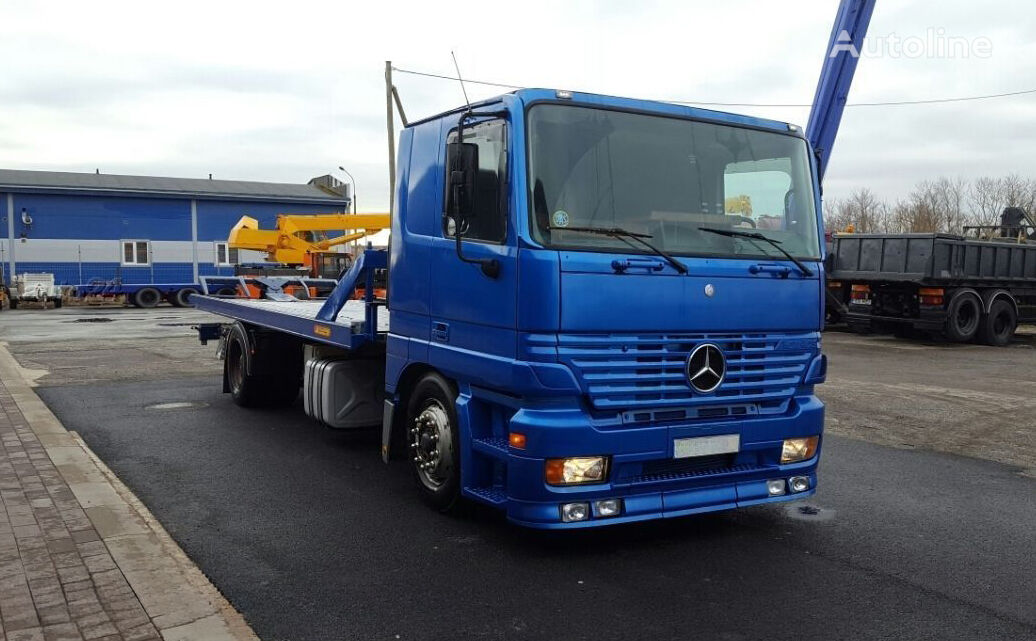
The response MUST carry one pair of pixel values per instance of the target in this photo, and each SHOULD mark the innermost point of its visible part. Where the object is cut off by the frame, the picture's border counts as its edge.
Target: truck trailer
(575, 330)
(964, 288)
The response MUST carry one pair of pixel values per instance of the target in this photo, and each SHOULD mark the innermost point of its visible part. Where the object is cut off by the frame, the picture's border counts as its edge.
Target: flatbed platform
(299, 317)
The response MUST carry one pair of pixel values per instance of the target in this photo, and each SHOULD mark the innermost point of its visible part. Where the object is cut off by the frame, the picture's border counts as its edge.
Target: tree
(986, 198)
(862, 210)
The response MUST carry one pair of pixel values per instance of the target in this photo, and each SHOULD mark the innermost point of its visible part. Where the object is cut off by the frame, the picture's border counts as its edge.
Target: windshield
(667, 177)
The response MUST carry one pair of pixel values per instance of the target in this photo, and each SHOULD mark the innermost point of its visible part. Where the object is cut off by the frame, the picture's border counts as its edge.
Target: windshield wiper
(618, 232)
(754, 235)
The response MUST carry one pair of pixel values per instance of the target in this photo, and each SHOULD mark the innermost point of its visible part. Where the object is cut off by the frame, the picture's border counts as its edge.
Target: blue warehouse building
(140, 229)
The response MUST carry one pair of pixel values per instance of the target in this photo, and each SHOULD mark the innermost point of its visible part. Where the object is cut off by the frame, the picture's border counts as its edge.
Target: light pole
(353, 180)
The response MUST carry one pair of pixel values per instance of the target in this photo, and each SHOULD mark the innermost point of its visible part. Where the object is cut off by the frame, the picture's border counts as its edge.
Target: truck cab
(604, 309)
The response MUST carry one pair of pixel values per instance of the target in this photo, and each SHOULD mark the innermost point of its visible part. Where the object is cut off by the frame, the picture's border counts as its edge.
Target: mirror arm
(490, 266)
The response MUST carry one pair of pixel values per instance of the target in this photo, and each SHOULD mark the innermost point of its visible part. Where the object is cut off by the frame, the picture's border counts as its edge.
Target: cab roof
(529, 96)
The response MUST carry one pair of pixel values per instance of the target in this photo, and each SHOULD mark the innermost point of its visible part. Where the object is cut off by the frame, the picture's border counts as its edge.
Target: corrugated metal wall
(79, 238)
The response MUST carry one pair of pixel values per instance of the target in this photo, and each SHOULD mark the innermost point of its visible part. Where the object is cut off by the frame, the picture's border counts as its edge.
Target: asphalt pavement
(311, 537)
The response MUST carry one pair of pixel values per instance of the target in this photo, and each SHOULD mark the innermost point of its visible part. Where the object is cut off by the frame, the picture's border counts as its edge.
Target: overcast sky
(287, 91)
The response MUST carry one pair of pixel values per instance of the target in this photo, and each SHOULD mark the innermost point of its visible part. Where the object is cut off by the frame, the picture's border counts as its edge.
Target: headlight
(799, 449)
(576, 470)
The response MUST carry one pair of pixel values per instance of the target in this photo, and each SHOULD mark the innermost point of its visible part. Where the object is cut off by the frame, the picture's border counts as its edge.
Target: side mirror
(462, 165)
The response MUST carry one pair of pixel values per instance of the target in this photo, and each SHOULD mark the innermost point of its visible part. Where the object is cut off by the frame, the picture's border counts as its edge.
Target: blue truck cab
(627, 326)
(599, 311)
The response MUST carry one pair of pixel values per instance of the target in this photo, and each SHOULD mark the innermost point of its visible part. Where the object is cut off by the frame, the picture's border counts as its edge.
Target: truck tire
(256, 390)
(147, 297)
(226, 291)
(181, 298)
(999, 324)
(14, 303)
(963, 318)
(244, 389)
(57, 303)
(434, 440)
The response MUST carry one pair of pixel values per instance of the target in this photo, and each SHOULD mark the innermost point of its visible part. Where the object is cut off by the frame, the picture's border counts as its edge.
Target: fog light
(799, 449)
(576, 470)
(798, 483)
(575, 512)
(608, 507)
(775, 487)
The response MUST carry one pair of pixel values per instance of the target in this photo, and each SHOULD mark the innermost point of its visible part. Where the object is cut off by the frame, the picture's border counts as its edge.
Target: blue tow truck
(578, 330)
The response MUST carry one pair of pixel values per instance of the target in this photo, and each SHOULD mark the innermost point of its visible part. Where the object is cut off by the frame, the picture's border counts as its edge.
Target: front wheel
(434, 442)
(999, 324)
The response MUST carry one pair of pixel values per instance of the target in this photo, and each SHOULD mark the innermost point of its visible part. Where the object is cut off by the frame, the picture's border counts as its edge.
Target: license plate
(706, 445)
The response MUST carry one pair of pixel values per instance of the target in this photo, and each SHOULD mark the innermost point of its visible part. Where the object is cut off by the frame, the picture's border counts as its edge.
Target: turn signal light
(516, 440)
(799, 449)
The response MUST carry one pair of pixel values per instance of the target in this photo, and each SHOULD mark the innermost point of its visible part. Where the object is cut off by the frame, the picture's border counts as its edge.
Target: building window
(136, 252)
(226, 255)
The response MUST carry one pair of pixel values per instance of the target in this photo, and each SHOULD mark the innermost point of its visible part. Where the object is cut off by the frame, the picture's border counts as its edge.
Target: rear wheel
(14, 303)
(432, 433)
(999, 324)
(242, 386)
(182, 297)
(57, 303)
(259, 390)
(963, 318)
(147, 297)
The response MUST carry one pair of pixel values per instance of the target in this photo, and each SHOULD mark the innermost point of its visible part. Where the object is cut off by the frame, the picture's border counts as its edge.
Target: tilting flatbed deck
(337, 320)
(297, 317)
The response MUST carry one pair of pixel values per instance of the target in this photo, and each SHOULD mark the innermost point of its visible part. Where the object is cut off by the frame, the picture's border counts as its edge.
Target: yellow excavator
(301, 239)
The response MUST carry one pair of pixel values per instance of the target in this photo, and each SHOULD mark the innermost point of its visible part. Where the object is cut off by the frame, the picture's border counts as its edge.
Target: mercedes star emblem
(710, 290)
(706, 368)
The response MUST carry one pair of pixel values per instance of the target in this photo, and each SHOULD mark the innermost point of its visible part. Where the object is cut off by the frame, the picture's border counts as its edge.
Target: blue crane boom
(836, 76)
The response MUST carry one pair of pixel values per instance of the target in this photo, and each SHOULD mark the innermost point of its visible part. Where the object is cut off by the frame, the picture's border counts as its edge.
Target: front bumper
(644, 473)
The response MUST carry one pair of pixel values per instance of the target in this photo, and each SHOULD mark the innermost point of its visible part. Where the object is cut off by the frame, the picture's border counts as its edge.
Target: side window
(226, 255)
(758, 193)
(489, 219)
(136, 252)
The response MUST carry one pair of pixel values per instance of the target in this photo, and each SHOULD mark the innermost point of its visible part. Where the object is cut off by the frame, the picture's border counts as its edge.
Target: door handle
(648, 263)
(770, 268)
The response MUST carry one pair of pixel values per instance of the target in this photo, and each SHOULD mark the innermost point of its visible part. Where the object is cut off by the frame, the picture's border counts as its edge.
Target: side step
(491, 495)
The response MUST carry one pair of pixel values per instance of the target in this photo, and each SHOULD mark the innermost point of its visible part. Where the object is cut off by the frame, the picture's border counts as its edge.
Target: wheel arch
(392, 439)
(965, 291)
(991, 296)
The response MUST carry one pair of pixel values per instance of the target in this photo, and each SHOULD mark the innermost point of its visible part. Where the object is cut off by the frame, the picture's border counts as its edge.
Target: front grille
(635, 371)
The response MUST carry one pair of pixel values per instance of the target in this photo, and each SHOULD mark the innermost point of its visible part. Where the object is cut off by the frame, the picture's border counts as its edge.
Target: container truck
(964, 288)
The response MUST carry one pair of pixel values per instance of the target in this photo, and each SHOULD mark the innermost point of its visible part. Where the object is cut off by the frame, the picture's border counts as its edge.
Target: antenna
(465, 91)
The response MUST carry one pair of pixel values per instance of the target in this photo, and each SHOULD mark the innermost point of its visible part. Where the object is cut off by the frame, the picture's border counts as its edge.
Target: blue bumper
(643, 471)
